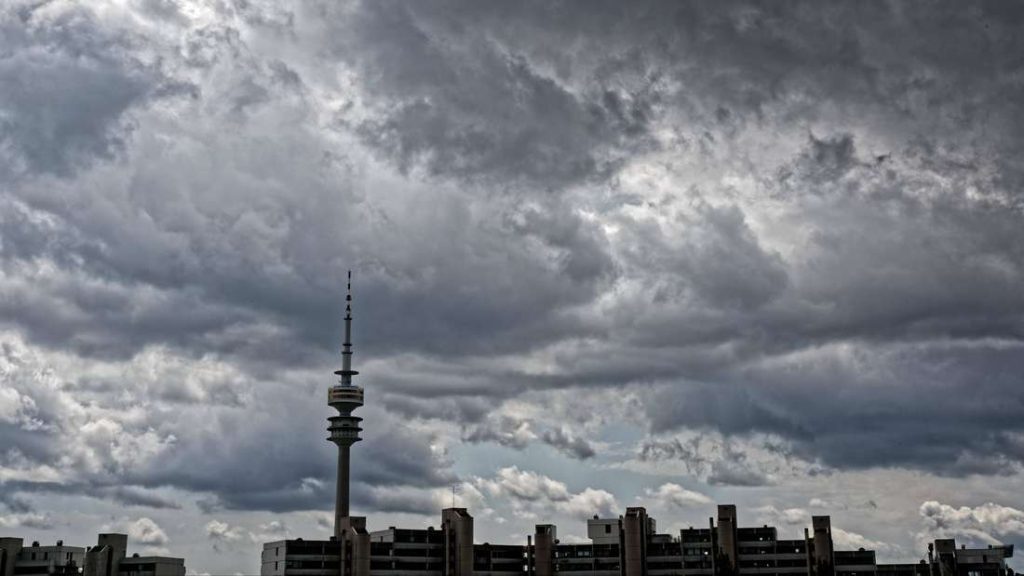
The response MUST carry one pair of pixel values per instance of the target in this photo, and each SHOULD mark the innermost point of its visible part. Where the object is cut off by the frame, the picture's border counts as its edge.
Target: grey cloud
(478, 108)
(122, 495)
(401, 457)
(565, 441)
(219, 450)
(731, 409)
(391, 499)
(506, 431)
(66, 82)
(19, 512)
(452, 408)
(288, 478)
(957, 432)
(518, 433)
(731, 468)
(532, 196)
(131, 496)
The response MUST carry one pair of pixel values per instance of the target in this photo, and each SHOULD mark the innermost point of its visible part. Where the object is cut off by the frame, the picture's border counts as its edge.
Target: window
(607, 528)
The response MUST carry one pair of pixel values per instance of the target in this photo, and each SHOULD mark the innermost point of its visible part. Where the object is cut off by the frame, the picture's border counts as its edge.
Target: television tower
(344, 428)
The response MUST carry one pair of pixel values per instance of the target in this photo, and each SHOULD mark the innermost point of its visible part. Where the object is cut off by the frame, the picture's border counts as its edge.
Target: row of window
(596, 566)
(419, 536)
(46, 556)
(501, 553)
(406, 552)
(400, 565)
(499, 566)
(69, 568)
(310, 564)
(771, 550)
(785, 563)
(310, 548)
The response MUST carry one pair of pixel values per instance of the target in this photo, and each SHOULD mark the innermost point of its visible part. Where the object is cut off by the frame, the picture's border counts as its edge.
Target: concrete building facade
(16, 559)
(625, 546)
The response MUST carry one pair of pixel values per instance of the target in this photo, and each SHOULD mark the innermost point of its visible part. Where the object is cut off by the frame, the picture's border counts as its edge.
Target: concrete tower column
(9, 548)
(546, 539)
(726, 561)
(458, 542)
(824, 561)
(341, 490)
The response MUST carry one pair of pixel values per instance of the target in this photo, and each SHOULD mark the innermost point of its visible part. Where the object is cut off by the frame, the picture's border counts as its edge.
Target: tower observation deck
(344, 428)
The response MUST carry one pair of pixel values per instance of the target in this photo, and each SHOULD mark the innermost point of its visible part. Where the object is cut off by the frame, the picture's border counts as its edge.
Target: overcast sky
(605, 254)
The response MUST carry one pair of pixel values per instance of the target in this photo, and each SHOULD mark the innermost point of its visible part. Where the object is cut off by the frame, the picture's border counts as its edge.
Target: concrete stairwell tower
(344, 428)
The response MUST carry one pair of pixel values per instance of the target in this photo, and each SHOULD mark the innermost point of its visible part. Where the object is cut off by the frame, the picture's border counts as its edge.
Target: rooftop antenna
(455, 489)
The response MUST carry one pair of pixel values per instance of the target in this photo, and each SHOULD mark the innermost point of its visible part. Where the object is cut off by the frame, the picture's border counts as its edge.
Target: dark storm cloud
(480, 108)
(890, 331)
(122, 495)
(489, 91)
(65, 82)
(533, 196)
(293, 471)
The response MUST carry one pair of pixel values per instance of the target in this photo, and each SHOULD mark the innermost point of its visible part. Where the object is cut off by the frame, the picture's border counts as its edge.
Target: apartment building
(629, 545)
(108, 558)
(16, 559)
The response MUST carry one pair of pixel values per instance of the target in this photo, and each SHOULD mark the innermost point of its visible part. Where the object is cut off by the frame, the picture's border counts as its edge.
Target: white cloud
(13, 406)
(785, 516)
(981, 525)
(670, 495)
(531, 493)
(36, 520)
(224, 532)
(845, 540)
(145, 531)
(524, 485)
(588, 503)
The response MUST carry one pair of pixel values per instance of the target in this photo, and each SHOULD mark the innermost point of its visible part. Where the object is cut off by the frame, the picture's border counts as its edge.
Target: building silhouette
(629, 545)
(108, 558)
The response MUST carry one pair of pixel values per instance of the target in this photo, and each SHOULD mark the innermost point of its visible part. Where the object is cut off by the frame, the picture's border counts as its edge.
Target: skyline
(662, 255)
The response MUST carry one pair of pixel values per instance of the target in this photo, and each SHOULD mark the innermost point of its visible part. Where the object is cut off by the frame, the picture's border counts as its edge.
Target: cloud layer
(737, 248)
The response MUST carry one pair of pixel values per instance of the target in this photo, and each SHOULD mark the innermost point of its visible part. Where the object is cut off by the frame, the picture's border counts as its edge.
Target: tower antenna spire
(346, 371)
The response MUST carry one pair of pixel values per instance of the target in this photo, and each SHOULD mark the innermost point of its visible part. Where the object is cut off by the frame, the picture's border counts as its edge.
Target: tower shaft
(341, 490)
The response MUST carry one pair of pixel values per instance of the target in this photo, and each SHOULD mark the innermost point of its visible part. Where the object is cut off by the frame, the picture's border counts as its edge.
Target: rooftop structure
(17, 559)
